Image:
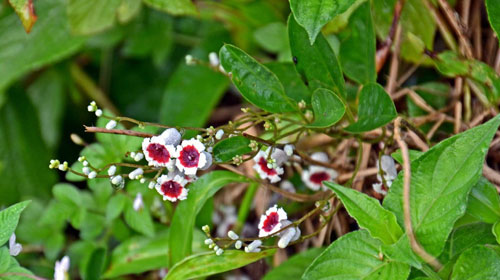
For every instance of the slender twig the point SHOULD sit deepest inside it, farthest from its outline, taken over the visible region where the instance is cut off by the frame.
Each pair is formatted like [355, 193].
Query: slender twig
[93, 129]
[393, 71]
[451, 15]
[415, 245]
[383, 51]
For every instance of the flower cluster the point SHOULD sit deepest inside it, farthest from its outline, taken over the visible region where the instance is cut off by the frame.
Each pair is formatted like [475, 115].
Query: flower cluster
[182, 160]
[386, 167]
[273, 223]
[316, 175]
[270, 166]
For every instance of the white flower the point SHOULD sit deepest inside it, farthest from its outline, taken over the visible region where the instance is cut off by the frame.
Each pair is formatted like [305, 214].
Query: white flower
[208, 158]
[116, 180]
[92, 175]
[138, 202]
[289, 235]
[287, 186]
[112, 170]
[314, 177]
[320, 156]
[111, 124]
[138, 156]
[214, 59]
[219, 252]
[238, 244]
[270, 170]
[231, 234]
[172, 187]
[190, 157]
[208, 241]
[377, 187]
[85, 163]
[98, 112]
[86, 170]
[254, 246]
[157, 152]
[288, 150]
[189, 60]
[61, 269]
[219, 134]
[151, 185]
[136, 173]
[389, 171]
[14, 248]
[171, 136]
[271, 221]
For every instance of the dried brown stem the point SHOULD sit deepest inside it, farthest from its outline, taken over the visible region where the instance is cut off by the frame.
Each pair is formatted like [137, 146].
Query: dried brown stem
[415, 245]
[93, 129]
[457, 26]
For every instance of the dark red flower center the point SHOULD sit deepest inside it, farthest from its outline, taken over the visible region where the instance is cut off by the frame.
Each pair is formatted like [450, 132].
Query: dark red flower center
[319, 177]
[189, 156]
[271, 221]
[158, 153]
[171, 188]
[263, 165]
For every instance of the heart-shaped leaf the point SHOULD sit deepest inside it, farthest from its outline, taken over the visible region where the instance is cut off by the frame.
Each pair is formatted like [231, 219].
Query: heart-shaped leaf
[376, 109]
[328, 108]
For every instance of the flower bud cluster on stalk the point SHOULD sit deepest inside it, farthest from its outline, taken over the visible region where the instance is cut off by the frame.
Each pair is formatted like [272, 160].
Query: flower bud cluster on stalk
[168, 163]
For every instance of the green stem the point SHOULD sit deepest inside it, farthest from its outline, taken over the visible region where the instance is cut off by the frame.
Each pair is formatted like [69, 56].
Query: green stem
[246, 205]
[430, 272]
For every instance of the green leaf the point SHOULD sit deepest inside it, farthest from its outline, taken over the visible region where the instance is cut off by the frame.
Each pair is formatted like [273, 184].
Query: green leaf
[314, 14]
[95, 265]
[477, 263]
[184, 87]
[22, 52]
[115, 206]
[483, 202]
[128, 9]
[496, 231]
[8, 220]
[140, 220]
[291, 81]
[67, 193]
[449, 64]
[419, 28]
[357, 47]
[205, 264]
[22, 151]
[414, 154]
[327, 107]
[272, 37]
[185, 213]
[316, 62]
[139, 254]
[294, 267]
[355, 255]
[441, 179]
[228, 148]
[494, 15]
[369, 214]
[91, 16]
[461, 239]
[174, 7]
[256, 83]
[47, 95]
[376, 109]
[24, 9]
